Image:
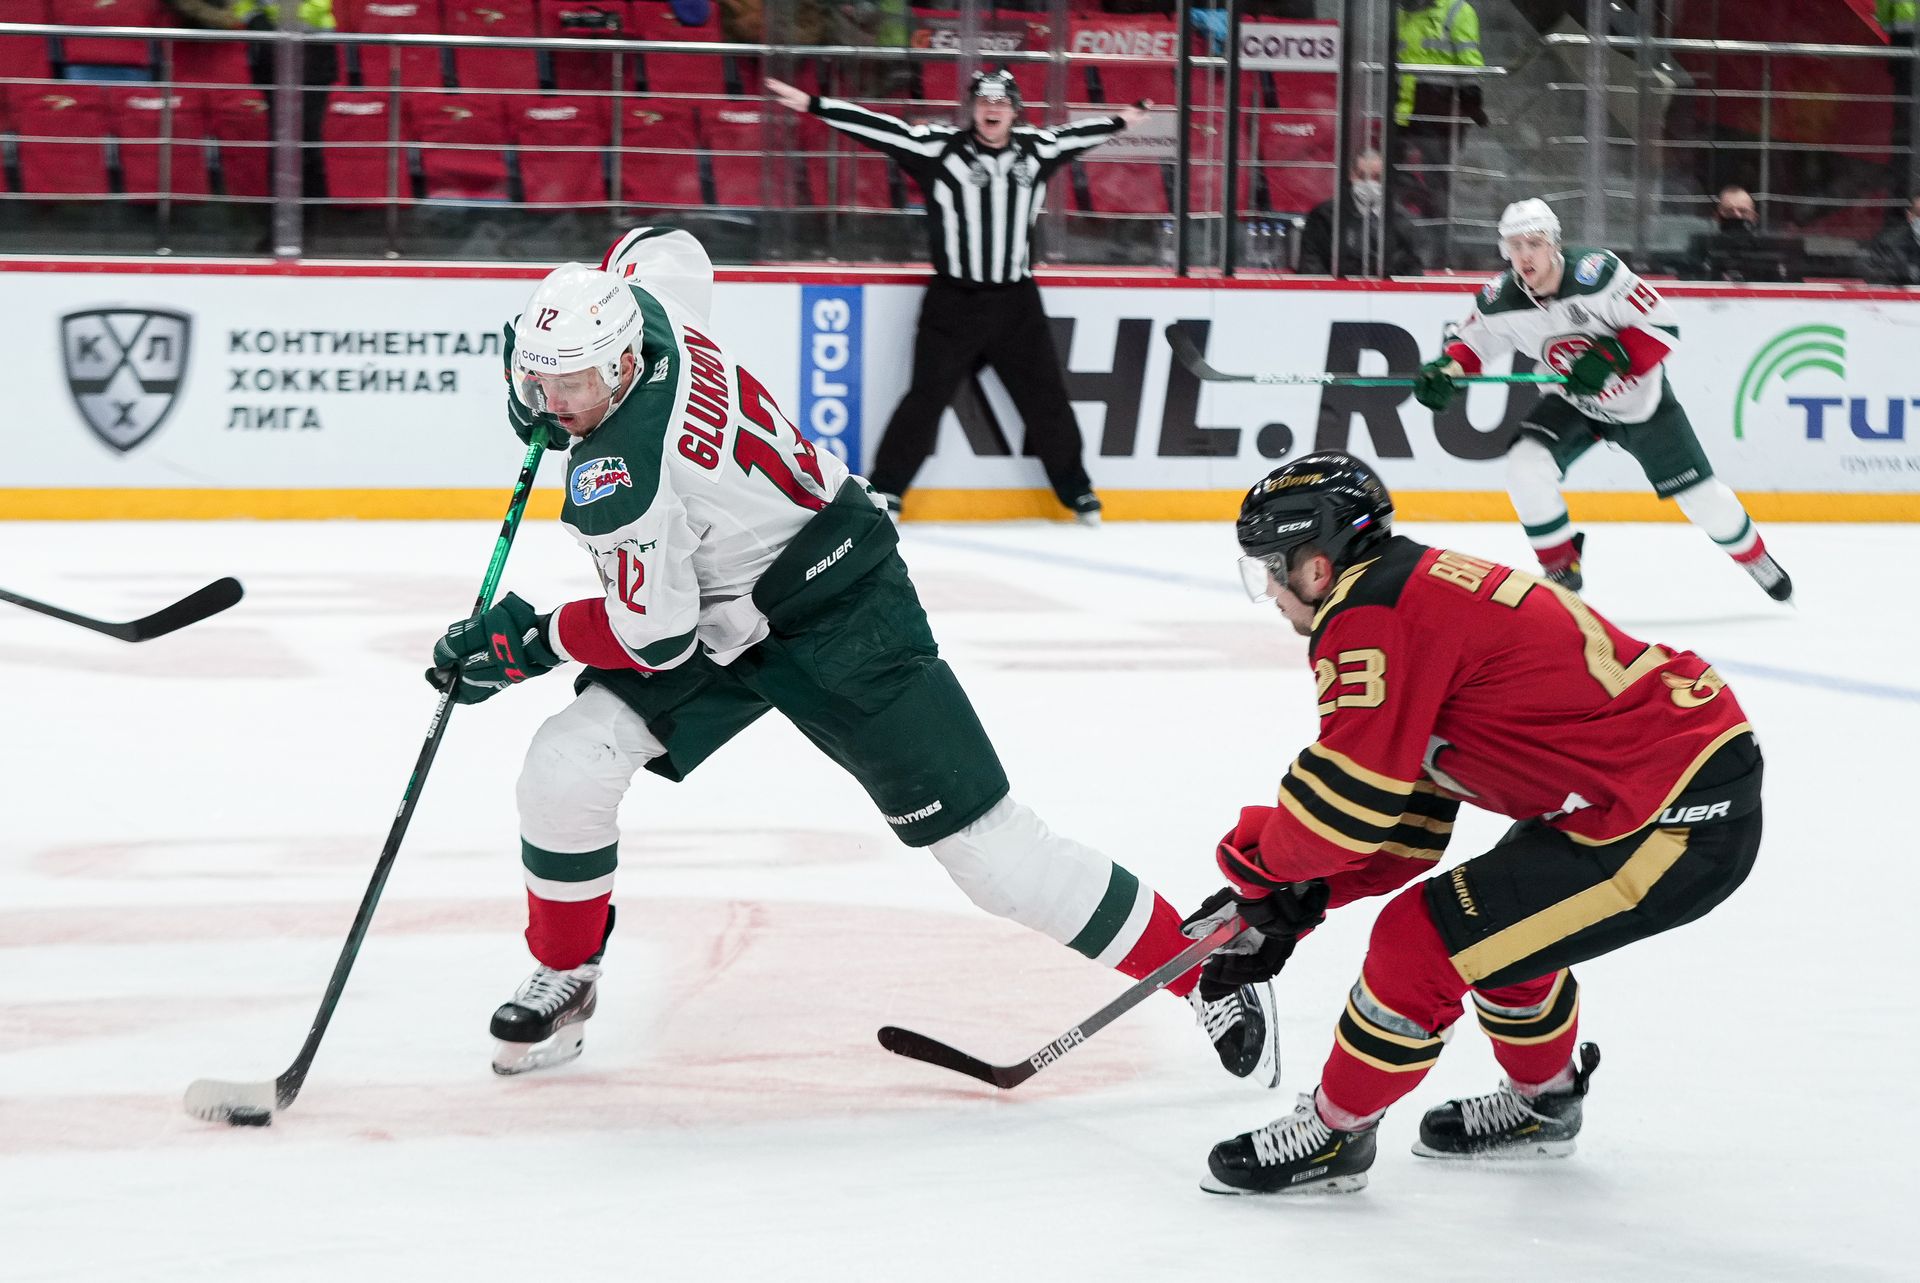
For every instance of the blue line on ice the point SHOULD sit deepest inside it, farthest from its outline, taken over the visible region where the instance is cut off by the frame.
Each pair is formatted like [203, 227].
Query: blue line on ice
[1224, 583]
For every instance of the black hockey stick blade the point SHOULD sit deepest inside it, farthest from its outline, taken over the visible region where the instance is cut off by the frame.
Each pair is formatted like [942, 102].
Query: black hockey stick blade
[191, 609]
[914, 1046]
[1187, 352]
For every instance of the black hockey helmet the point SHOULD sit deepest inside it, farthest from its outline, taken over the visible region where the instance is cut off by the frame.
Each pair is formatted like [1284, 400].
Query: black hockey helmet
[994, 86]
[1330, 502]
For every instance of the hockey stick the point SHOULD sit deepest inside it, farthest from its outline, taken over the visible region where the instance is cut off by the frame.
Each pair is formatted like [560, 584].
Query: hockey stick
[191, 609]
[252, 1104]
[905, 1042]
[1189, 356]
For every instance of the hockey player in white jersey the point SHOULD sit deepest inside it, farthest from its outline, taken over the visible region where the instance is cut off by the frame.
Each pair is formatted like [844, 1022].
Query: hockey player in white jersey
[1584, 314]
[742, 570]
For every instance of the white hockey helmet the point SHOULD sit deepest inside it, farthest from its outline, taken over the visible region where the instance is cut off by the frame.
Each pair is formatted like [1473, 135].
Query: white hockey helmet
[579, 318]
[1527, 218]
[665, 260]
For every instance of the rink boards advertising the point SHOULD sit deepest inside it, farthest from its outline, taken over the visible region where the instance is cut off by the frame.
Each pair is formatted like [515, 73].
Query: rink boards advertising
[202, 390]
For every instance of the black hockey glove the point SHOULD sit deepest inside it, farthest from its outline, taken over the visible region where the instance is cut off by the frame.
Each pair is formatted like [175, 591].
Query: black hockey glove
[1433, 387]
[1593, 367]
[505, 644]
[526, 422]
[1277, 920]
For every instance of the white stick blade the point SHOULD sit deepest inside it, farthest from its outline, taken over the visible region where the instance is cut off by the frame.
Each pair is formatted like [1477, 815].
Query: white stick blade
[216, 1101]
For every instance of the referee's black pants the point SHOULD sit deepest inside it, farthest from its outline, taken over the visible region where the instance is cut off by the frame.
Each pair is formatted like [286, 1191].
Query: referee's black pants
[961, 326]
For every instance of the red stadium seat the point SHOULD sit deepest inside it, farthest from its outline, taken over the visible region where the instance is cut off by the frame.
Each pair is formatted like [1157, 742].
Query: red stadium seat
[546, 131]
[463, 142]
[1127, 187]
[361, 167]
[679, 73]
[657, 157]
[24, 57]
[418, 67]
[1293, 155]
[62, 138]
[237, 117]
[842, 173]
[144, 117]
[736, 143]
[109, 13]
[210, 63]
[497, 68]
[583, 20]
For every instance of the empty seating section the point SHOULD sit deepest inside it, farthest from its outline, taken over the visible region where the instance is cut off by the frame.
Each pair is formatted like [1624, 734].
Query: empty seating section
[585, 127]
[586, 20]
[500, 67]
[376, 66]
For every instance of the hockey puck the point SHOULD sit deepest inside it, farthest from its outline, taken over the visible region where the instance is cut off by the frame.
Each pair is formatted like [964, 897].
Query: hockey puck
[247, 1116]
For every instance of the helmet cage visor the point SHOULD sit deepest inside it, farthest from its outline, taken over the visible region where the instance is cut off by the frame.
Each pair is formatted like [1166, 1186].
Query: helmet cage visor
[572, 392]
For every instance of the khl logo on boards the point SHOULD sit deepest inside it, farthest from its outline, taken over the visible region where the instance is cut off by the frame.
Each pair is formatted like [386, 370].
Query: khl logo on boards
[1812, 350]
[124, 367]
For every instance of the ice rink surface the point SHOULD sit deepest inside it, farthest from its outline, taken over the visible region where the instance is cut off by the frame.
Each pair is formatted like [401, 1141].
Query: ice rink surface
[190, 822]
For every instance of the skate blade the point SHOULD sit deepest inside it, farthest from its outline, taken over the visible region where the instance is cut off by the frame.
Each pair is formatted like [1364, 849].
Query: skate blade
[1528, 1153]
[1331, 1185]
[511, 1058]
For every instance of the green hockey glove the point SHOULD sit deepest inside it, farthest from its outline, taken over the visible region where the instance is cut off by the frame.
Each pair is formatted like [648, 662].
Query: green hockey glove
[1433, 387]
[526, 422]
[505, 644]
[1593, 367]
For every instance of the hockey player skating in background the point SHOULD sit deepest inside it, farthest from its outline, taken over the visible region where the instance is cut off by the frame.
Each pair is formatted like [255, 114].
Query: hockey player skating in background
[1584, 314]
[1631, 769]
[741, 571]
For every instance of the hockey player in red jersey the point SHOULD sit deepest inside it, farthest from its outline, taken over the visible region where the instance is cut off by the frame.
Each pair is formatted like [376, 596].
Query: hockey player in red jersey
[1630, 767]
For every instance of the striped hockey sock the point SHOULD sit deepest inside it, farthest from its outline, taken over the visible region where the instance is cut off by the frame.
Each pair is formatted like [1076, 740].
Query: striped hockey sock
[567, 898]
[1134, 930]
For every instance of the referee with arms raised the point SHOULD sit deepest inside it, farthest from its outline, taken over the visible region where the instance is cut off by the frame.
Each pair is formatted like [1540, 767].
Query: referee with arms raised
[984, 189]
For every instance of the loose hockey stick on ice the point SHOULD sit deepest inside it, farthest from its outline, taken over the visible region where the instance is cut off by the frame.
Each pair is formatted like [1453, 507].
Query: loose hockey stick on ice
[905, 1042]
[1189, 355]
[253, 1104]
[191, 609]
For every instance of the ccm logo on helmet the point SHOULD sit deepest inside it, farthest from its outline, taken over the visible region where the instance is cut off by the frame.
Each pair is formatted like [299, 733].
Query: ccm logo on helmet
[1292, 526]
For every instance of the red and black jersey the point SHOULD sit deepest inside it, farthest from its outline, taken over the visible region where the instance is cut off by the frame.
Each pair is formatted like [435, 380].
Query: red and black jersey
[1442, 676]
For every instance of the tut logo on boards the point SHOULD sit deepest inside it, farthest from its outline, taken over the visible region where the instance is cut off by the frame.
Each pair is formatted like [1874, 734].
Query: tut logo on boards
[1816, 350]
[125, 367]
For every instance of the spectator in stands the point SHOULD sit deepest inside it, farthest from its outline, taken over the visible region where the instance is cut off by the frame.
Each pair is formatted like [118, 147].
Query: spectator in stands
[1431, 114]
[1894, 258]
[1733, 249]
[1360, 230]
[320, 67]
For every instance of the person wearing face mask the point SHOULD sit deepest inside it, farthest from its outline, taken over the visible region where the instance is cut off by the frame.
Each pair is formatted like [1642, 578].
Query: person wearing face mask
[1736, 249]
[1894, 258]
[1360, 230]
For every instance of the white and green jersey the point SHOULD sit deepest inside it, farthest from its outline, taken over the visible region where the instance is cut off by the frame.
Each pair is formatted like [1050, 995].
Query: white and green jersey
[684, 497]
[1599, 296]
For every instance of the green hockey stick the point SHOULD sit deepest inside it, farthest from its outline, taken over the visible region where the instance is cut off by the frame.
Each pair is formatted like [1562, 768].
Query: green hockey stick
[1189, 356]
[254, 1104]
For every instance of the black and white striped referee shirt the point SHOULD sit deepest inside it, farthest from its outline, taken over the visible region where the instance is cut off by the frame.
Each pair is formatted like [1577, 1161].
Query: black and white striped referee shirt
[981, 203]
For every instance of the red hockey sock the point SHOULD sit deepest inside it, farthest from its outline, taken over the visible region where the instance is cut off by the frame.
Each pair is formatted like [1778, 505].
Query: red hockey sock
[563, 934]
[1397, 1015]
[1561, 556]
[1752, 554]
[1533, 1025]
[1160, 941]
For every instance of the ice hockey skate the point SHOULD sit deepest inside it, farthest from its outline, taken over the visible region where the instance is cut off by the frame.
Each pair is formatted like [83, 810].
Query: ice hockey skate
[1771, 576]
[1298, 1154]
[546, 1022]
[1567, 574]
[1504, 1124]
[1242, 1030]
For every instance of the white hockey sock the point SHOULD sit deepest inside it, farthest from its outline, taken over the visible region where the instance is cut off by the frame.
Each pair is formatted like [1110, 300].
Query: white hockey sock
[1715, 508]
[1533, 483]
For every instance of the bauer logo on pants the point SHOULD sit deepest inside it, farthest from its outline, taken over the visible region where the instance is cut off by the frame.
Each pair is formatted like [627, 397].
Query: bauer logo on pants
[124, 368]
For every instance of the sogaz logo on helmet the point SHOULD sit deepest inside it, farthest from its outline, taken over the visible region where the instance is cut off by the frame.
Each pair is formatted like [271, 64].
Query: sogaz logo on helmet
[1801, 356]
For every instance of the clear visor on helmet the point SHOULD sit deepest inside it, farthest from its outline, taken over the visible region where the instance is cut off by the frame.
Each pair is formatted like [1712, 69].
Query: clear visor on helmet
[1261, 575]
[576, 392]
[1520, 242]
[992, 89]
